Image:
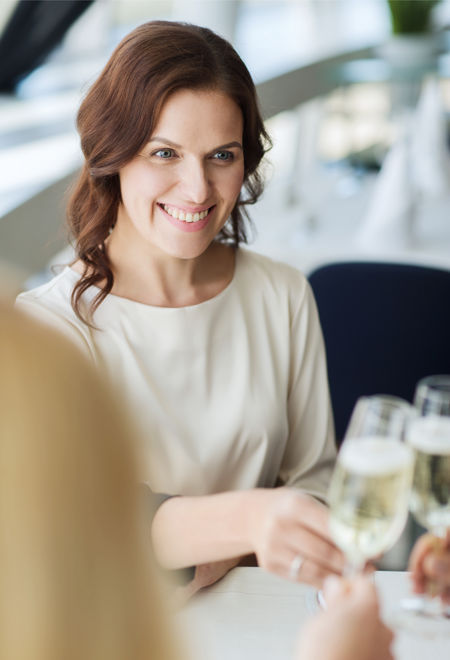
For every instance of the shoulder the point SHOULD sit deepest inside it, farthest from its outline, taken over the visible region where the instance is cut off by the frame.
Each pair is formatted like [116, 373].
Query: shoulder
[52, 296]
[262, 272]
[50, 303]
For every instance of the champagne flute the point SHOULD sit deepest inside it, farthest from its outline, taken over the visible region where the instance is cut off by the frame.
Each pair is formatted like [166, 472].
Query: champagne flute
[429, 437]
[370, 487]
[432, 396]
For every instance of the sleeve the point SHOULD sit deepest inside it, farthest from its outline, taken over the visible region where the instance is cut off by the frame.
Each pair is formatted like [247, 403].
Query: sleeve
[155, 500]
[45, 315]
[310, 450]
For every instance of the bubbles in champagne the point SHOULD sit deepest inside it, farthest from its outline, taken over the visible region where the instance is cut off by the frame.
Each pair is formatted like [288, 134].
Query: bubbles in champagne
[430, 498]
[430, 435]
[374, 456]
[369, 496]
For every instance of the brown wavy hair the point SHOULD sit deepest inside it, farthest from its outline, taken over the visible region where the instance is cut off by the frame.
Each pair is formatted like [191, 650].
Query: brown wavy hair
[117, 118]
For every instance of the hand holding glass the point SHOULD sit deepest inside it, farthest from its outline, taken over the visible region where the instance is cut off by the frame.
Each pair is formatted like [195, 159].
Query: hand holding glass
[429, 437]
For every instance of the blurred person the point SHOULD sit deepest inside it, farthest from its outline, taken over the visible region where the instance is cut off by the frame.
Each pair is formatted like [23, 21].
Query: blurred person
[217, 350]
[350, 627]
[75, 572]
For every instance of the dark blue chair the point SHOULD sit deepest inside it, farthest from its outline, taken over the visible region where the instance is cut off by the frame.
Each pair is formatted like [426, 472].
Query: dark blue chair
[386, 325]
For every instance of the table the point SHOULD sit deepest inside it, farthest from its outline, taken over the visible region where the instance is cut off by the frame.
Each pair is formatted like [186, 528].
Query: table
[252, 615]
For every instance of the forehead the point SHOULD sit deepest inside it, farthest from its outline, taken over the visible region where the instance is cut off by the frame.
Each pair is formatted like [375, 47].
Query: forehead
[202, 116]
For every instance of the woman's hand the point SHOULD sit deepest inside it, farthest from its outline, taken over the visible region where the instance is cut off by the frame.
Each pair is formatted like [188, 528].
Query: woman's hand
[278, 525]
[205, 575]
[429, 564]
[350, 627]
[286, 524]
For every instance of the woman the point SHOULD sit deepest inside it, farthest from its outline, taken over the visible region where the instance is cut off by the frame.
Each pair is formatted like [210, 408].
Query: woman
[217, 351]
[75, 573]
[74, 561]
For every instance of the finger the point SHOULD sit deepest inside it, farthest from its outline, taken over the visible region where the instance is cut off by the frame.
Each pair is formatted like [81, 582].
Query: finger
[420, 549]
[310, 545]
[425, 544]
[313, 514]
[418, 584]
[359, 592]
[437, 567]
[313, 574]
[447, 539]
[335, 589]
[309, 572]
[365, 592]
[445, 596]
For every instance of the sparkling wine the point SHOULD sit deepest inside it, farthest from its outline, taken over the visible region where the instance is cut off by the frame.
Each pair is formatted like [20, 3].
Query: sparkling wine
[369, 496]
[430, 498]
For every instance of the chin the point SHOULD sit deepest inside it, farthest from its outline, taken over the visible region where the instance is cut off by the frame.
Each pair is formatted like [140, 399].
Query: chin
[186, 251]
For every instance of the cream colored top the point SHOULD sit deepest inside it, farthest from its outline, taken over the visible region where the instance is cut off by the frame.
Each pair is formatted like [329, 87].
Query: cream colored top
[230, 393]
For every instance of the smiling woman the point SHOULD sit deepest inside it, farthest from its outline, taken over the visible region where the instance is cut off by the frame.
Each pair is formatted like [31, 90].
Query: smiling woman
[216, 350]
[128, 106]
[196, 169]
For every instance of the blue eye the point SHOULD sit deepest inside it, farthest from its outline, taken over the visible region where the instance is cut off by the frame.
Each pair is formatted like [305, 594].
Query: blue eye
[164, 154]
[223, 155]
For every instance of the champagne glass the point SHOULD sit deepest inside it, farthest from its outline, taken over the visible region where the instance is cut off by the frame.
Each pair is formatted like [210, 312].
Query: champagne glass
[429, 437]
[370, 487]
[432, 396]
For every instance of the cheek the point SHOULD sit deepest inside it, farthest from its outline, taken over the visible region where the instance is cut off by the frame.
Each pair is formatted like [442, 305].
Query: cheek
[138, 186]
[234, 184]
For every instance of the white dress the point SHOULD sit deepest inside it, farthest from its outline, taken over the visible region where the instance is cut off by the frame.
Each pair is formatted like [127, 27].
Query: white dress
[229, 394]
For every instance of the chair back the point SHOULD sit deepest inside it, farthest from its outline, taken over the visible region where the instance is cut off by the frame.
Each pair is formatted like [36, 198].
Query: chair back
[385, 325]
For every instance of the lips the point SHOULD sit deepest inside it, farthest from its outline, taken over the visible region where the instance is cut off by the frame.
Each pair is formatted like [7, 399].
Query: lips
[187, 220]
[184, 215]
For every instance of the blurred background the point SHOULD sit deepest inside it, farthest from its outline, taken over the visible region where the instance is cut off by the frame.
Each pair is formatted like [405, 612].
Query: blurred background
[355, 93]
[341, 83]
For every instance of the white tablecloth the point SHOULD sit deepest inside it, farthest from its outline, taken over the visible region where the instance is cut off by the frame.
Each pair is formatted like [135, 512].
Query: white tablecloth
[251, 615]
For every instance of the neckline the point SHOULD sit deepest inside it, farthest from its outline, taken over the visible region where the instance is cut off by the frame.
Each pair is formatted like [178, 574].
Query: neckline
[128, 301]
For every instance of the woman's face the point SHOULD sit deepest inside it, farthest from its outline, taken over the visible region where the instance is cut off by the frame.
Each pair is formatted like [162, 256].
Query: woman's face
[179, 191]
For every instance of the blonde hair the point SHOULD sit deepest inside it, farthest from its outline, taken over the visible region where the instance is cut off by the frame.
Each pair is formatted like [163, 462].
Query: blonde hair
[75, 576]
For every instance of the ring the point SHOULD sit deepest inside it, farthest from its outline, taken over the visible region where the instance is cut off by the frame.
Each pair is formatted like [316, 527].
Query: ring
[295, 567]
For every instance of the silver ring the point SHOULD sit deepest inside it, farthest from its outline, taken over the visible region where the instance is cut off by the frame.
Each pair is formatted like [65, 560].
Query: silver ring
[295, 567]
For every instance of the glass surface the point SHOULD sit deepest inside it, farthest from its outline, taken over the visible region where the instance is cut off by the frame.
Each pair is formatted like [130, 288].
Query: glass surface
[429, 437]
[370, 487]
[432, 396]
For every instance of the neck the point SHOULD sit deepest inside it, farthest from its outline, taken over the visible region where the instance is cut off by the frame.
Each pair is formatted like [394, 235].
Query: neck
[155, 278]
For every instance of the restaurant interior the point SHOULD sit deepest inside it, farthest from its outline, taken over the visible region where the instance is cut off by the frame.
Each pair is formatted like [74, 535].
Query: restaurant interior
[356, 100]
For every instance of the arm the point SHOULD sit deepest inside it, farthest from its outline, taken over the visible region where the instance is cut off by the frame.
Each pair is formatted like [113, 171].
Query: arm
[275, 524]
[278, 524]
[310, 451]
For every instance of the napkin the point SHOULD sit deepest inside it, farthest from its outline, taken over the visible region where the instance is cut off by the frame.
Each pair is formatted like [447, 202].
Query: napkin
[429, 149]
[417, 167]
[390, 217]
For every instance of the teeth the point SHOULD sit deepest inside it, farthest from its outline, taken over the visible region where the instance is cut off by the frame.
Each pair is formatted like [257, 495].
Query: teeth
[185, 217]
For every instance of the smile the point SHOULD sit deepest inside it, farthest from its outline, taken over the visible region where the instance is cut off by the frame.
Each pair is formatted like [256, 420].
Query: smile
[185, 216]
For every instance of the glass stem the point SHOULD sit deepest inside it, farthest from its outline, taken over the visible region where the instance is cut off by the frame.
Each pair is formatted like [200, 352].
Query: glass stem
[353, 567]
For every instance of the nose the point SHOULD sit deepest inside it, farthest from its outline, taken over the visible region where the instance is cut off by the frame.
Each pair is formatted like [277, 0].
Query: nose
[195, 183]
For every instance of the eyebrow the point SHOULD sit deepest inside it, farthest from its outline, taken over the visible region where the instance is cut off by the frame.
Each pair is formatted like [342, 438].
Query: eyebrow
[158, 138]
